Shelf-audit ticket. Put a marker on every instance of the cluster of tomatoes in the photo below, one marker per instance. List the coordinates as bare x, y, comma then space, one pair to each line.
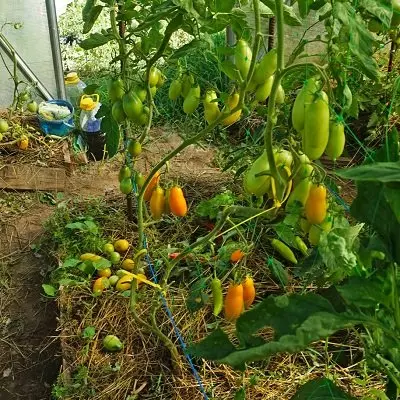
129, 105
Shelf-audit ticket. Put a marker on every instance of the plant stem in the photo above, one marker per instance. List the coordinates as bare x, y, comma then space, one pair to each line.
271, 119
395, 296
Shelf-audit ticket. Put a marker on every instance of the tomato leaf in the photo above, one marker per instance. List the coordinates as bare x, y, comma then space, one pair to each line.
95, 40
223, 6
195, 44
371, 206
378, 172
87, 9
278, 271
91, 18
230, 70
289, 15
111, 129
367, 293
382, 9
319, 389
89, 332
307, 318
50, 290
356, 36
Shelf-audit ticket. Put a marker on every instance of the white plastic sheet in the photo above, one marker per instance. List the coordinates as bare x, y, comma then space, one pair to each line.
32, 42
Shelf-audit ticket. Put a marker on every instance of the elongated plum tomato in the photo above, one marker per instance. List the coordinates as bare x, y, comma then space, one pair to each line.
243, 57
266, 67
175, 89
337, 140
264, 90
316, 205
132, 106
117, 112
177, 202
258, 185
157, 203
232, 102
300, 193
234, 304
211, 110
249, 292
303, 98
192, 100
316, 127
153, 183
218, 300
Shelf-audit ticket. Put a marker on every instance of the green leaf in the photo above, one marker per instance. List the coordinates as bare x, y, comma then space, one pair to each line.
371, 206
50, 290
382, 9
377, 172
278, 271
91, 89
320, 389
389, 151
102, 264
70, 263
307, 318
214, 347
195, 44
76, 225
357, 37
210, 208
197, 297
224, 6
87, 9
368, 293
240, 394
337, 250
304, 7
95, 40
230, 70
91, 19
113, 135
89, 332
289, 15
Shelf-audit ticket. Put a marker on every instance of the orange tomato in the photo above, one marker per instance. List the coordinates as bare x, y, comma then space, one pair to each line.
237, 255
249, 292
316, 206
153, 183
157, 203
233, 304
177, 202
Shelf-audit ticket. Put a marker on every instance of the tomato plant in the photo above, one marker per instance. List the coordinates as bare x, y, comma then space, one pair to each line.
272, 169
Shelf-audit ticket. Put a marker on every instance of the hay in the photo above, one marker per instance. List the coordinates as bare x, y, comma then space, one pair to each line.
145, 363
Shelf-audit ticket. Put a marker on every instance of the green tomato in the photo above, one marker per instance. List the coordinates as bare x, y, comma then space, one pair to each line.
115, 257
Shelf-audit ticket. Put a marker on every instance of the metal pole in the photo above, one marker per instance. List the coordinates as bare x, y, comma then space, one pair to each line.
23, 67
55, 48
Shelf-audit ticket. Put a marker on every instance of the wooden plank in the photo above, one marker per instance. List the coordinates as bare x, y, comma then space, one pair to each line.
32, 177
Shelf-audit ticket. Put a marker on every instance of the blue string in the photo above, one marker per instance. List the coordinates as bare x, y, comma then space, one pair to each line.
339, 199
176, 329
167, 309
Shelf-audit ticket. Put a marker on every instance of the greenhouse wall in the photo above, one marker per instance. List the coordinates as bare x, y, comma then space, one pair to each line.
32, 42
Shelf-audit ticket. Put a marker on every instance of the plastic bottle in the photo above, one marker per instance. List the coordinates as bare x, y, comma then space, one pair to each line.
74, 88
90, 125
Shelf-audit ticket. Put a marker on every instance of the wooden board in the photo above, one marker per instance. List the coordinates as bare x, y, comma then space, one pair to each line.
31, 177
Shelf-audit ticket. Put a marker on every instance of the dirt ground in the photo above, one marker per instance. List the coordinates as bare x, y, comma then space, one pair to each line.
30, 354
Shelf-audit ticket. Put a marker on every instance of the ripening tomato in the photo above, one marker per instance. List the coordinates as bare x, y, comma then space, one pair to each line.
234, 304
177, 202
316, 205
258, 185
157, 203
